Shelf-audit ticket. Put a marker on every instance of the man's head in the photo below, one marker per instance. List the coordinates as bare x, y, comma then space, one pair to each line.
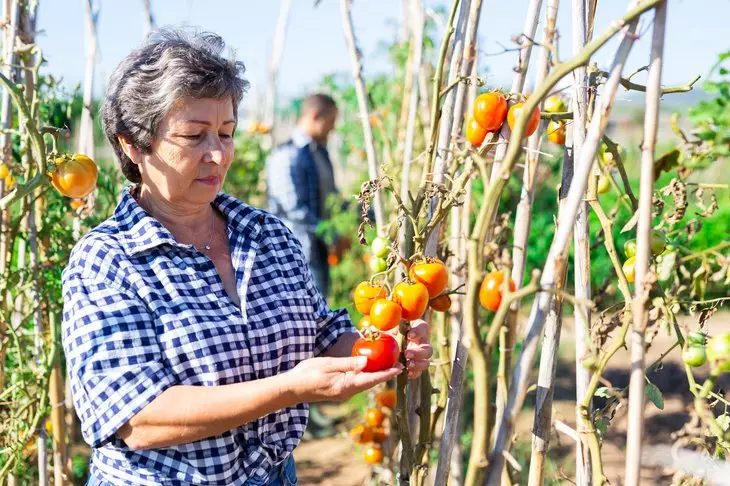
318, 116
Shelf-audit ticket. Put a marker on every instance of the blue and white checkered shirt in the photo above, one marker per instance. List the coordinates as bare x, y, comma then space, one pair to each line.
144, 312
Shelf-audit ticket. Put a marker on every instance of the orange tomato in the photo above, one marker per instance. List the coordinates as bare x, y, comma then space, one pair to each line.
413, 299
374, 417
373, 455
332, 259
490, 110
385, 314
365, 295
556, 132
515, 111
433, 274
361, 434
475, 134
75, 175
442, 303
490, 292
386, 398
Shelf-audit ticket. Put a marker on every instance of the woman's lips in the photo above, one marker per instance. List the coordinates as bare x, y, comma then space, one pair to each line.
210, 181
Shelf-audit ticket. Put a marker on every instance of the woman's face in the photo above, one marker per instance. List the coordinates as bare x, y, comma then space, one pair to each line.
191, 153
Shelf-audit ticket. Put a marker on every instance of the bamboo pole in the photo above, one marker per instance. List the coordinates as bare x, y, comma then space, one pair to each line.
643, 249
523, 215
518, 82
148, 20
417, 21
275, 61
581, 244
558, 254
523, 219
10, 16
362, 100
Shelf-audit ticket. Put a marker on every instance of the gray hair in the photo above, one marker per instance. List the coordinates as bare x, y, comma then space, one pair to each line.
170, 65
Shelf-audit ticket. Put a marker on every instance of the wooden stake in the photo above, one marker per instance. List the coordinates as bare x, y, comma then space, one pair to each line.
643, 251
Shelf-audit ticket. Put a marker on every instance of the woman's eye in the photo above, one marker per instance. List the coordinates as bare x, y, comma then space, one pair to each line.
225, 135
192, 137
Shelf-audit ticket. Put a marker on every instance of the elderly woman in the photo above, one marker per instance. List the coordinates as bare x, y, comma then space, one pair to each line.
193, 331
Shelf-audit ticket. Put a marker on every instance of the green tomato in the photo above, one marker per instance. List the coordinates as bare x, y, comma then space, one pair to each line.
697, 338
380, 247
554, 104
604, 184
628, 268
378, 265
694, 355
658, 242
718, 351
630, 248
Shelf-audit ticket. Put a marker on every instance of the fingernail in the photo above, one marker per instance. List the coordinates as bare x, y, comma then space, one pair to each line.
362, 361
409, 354
399, 366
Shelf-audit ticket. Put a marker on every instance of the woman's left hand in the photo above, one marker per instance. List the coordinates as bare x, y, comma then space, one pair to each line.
418, 350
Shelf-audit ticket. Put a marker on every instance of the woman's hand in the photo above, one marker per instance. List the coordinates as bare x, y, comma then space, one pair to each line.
418, 350
318, 379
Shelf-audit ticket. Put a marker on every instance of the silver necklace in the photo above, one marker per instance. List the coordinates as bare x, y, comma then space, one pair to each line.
206, 247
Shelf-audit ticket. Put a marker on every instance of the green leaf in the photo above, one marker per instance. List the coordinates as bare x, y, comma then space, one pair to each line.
655, 395
601, 425
603, 392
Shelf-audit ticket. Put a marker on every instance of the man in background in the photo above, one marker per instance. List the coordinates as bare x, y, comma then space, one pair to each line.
299, 178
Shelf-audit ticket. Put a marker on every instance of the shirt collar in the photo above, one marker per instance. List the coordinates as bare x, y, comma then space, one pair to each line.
301, 140
140, 231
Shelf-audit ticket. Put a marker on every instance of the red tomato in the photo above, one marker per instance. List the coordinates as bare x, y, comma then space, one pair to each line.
381, 351
442, 303
413, 299
490, 293
515, 111
490, 110
475, 133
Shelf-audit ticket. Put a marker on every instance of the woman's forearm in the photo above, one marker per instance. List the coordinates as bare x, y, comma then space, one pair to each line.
343, 346
184, 414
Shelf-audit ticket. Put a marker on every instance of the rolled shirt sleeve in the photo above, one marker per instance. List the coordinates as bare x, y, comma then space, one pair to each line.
115, 363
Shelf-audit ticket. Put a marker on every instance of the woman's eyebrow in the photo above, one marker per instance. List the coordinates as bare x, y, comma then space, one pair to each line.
207, 123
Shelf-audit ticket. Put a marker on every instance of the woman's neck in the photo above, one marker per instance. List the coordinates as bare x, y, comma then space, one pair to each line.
188, 224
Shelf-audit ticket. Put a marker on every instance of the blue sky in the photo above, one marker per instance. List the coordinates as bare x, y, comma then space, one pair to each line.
697, 31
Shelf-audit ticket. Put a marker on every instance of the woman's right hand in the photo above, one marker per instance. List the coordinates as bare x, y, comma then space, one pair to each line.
318, 379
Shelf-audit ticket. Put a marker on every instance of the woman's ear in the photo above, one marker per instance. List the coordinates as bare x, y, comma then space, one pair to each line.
129, 150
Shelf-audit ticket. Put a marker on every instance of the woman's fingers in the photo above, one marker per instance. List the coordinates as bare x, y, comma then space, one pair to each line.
365, 380
418, 351
419, 330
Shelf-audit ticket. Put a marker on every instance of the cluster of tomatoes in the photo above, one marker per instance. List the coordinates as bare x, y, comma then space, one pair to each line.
376, 427
698, 350
658, 244
490, 112
382, 311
